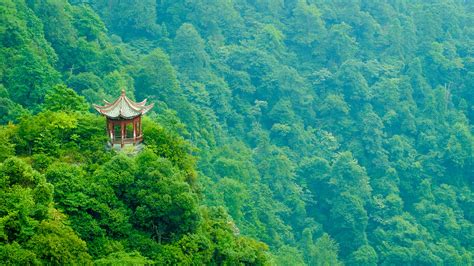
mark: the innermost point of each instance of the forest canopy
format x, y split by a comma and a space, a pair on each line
284, 132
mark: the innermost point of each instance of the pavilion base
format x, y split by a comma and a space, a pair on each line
127, 147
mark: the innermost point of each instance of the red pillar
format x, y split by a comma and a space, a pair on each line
134, 131
110, 131
140, 126
108, 128
122, 127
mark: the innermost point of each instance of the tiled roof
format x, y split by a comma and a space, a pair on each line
123, 108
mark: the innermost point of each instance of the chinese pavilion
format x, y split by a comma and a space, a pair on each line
124, 116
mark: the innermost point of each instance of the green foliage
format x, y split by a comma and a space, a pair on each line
57, 243
287, 256
365, 255
156, 76
164, 203
189, 55
308, 26
46, 132
132, 258
7, 145
15, 254
322, 252
61, 98
136, 210
130, 21
31, 230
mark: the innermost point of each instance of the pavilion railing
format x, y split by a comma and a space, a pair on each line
118, 140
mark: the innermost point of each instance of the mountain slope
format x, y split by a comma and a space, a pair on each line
328, 130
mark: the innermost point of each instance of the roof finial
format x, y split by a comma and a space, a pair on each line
123, 91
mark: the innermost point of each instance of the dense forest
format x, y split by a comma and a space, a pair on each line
284, 132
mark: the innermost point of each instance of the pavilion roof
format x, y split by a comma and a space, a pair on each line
123, 108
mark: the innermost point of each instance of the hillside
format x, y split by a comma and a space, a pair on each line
297, 132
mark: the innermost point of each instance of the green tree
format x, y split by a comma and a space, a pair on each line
323, 252
308, 27
340, 45
365, 255
31, 230
130, 18
62, 98
57, 243
190, 55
